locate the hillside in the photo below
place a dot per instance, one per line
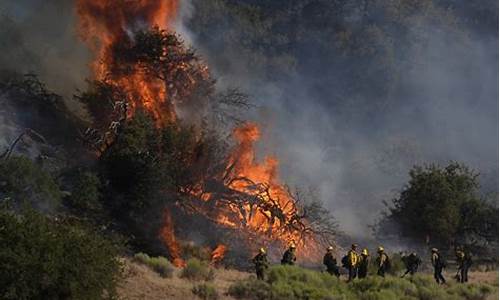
(140, 282)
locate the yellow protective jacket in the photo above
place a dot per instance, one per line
(353, 258)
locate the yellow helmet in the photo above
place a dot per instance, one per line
(262, 250)
(292, 246)
(365, 252)
(380, 249)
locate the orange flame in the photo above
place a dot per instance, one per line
(167, 236)
(218, 253)
(274, 217)
(103, 24)
(107, 24)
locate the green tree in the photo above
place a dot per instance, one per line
(85, 198)
(22, 180)
(54, 258)
(442, 204)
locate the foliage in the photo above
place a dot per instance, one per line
(205, 291)
(25, 181)
(159, 264)
(54, 258)
(197, 270)
(442, 204)
(85, 198)
(42, 110)
(149, 168)
(286, 282)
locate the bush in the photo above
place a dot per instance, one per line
(54, 258)
(24, 181)
(251, 289)
(196, 269)
(205, 291)
(85, 195)
(159, 264)
(285, 282)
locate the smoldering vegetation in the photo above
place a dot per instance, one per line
(353, 94)
(350, 95)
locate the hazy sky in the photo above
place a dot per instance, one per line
(448, 110)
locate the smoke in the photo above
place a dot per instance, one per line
(39, 37)
(354, 142)
(357, 147)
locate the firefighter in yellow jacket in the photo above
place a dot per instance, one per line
(352, 262)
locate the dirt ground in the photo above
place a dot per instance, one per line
(142, 283)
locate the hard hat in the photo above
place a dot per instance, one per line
(354, 246)
(292, 246)
(380, 249)
(262, 250)
(365, 252)
(434, 250)
(330, 248)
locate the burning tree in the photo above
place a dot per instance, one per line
(155, 111)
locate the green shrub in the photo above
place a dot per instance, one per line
(205, 291)
(194, 251)
(54, 258)
(24, 181)
(472, 291)
(196, 269)
(251, 289)
(159, 264)
(294, 283)
(85, 195)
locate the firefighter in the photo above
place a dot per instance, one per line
(331, 262)
(350, 261)
(364, 261)
(463, 261)
(261, 263)
(438, 264)
(383, 262)
(289, 257)
(412, 262)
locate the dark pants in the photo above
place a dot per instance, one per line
(333, 271)
(352, 273)
(381, 271)
(260, 273)
(464, 274)
(362, 271)
(438, 276)
(412, 271)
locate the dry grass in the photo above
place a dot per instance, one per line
(143, 283)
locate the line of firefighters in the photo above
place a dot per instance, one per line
(357, 264)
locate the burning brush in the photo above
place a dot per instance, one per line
(142, 65)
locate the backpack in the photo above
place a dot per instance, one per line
(441, 262)
(387, 262)
(345, 261)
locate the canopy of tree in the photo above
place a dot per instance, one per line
(442, 205)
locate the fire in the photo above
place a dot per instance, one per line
(275, 216)
(218, 253)
(167, 236)
(165, 73)
(106, 25)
